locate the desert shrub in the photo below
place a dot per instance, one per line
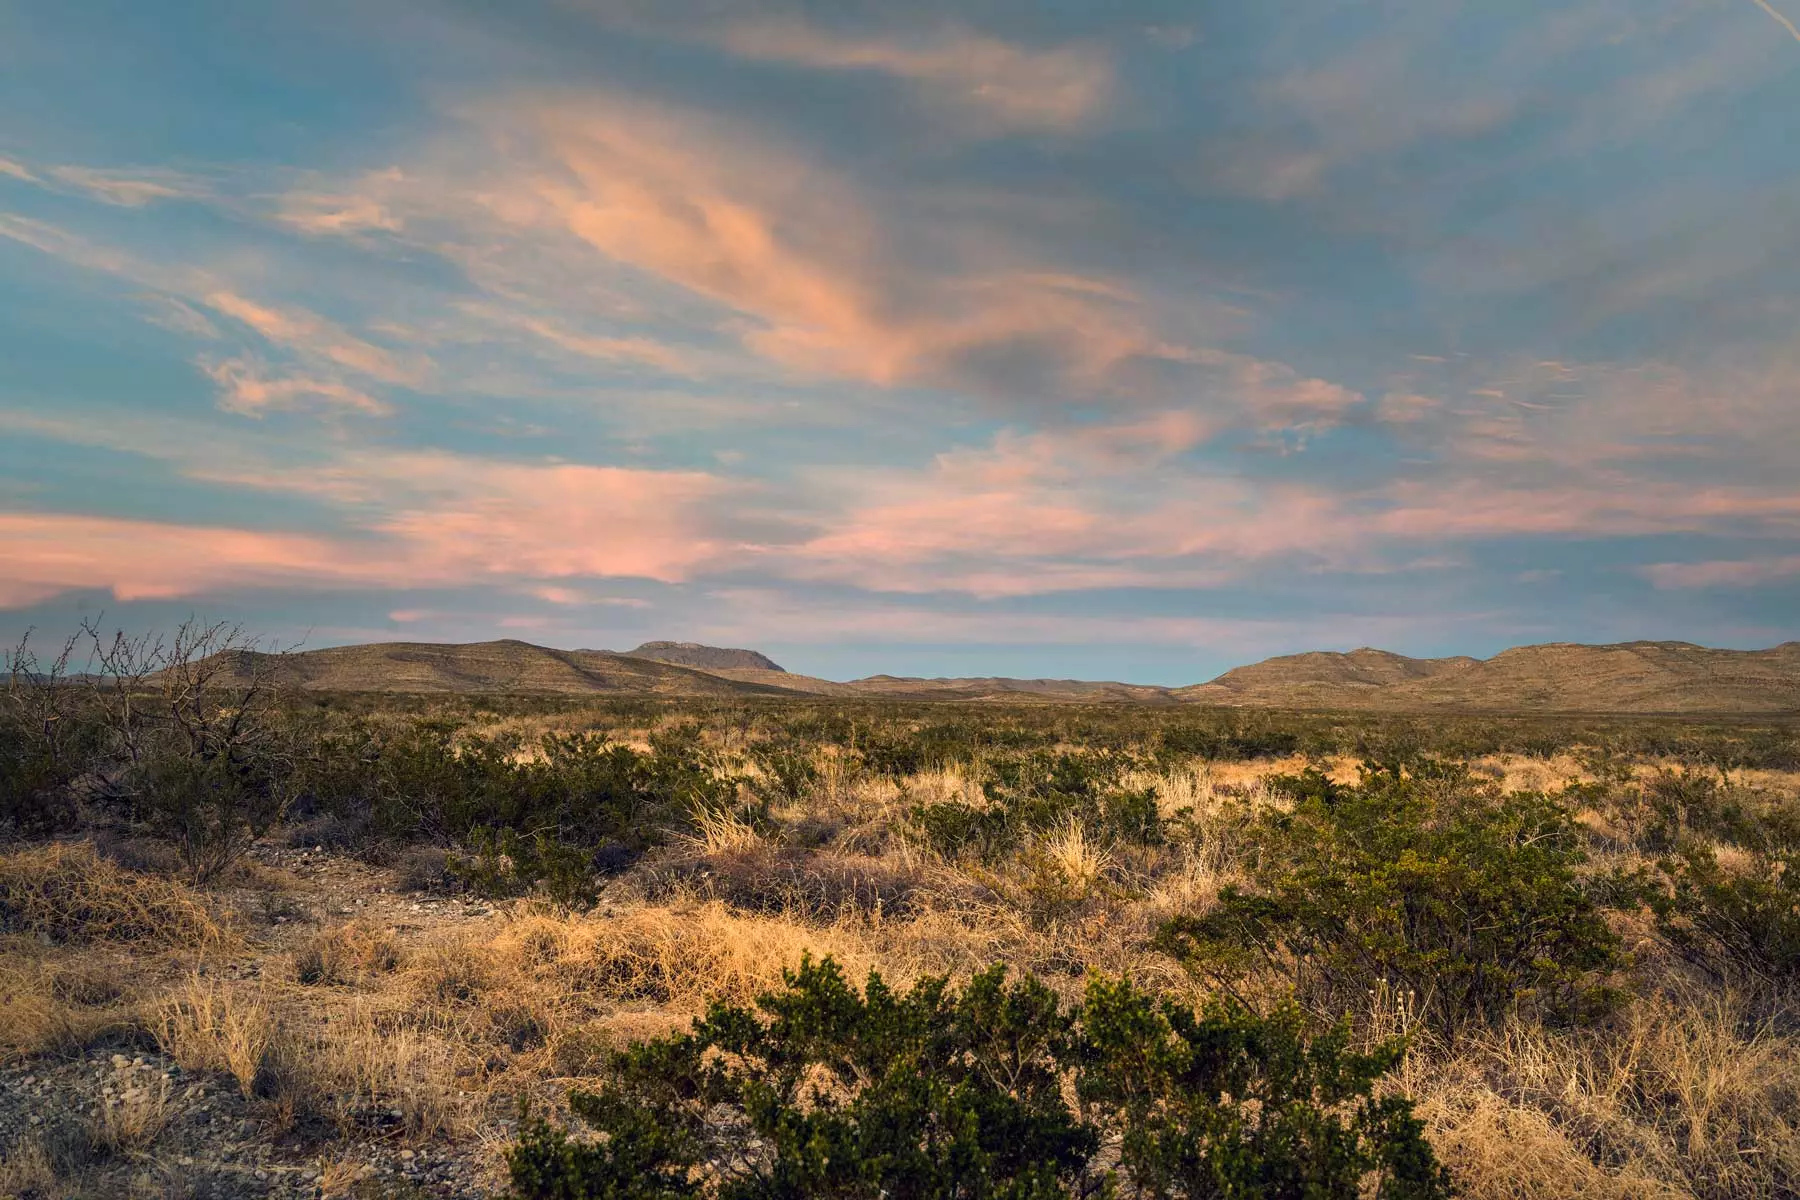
(1031, 795)
(544, 814)
(211, 806)
(504, 862)
(789, 773)
(48, 738)
(1734, 922)
(1226, 1103)
(1238, 743)
(1468, 901)
(828, 1090)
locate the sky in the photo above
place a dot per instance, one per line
(1132, 341)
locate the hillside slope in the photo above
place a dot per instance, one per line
(498, 667)
(705, 658)
(1631, 677)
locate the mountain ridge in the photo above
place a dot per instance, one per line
(1625, 677)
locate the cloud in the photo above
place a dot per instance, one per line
(130, 188)
(1743, 573)
(246, 387)
(598, 222)
(51, 553)
(342, 213)
(1001, 84)
(412, 520)
(1779, 17)
(749, 615)
(177, 294)
(1108, 506)
(310, 333)
(17, 170)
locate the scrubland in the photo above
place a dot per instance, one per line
(265, 946)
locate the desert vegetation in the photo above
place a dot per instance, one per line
(254, 942)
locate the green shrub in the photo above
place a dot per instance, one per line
(826, 1091)
(1227, 1104)
(1422, 881)
(1035, 793)
(1734, 923)
(504, 862)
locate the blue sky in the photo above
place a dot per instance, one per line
(1133, 340)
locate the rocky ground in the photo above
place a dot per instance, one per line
(118, 1118)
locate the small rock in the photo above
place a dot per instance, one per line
(407, 1156)
(120, 1062)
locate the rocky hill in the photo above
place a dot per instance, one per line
(1634, 677)
(491, 667)
(1631, 677)
(705, 658)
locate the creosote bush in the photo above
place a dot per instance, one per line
(996, 1090)
(1467, 901)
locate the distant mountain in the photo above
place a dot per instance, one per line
(705, 658)
(1321, 678)
(1632, 677)
(491, 667)
(1635, 677)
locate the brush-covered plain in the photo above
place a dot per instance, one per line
(254, 943)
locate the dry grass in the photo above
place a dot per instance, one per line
(1079, 862)
(1688, 1096)
(672, 958)
(724, 832)
(1685, 1094)
(371, 1061)
(67, 893)
(28, 1168)
(51, 1003)
(345, 954)
(129, 1125)
(207, 1024)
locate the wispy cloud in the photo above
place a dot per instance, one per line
(1727, 573)
(1002, 84)
(1779, 17)
(247, 387)
(129, 188)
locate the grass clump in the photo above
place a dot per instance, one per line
(67, 893)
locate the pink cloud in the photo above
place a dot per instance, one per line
(1002, 84)
(311, 333)
(47, 554)
(429, 520)
(130, 189)
(246, 387)
(1081, 508)
(1723, 573)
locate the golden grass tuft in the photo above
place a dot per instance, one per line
(49, 1005)
(67, 893)
(724, 832)
(345, 954)
(1079, 861)
(367, 1060)
(208, 1024)
(130, 1123)
(679, 958)
(1686, 1095)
